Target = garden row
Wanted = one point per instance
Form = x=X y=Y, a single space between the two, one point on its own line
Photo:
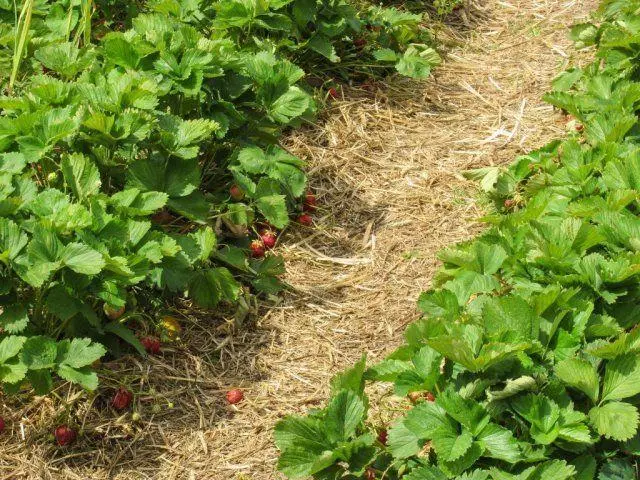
x=526 y=362
x=139 y=158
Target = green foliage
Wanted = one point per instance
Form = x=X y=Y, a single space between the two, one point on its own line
x=120 y=135
x=526 y=362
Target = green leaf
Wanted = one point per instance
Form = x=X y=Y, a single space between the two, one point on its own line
x=385 y=55
x=82 y=259
x=39 y=353
x=451 y=445
x=12 y=240
x=120 y=51
x=79 y=352
x=510 y=319
x=293 y=103
x=402 y=442
x=323 y=45
x=12 y=372
x=581 y=375
x=542 y=413
x=513 y=387
x=41 y=381
x=298 y=462
x=616 y=420
x=344 y=413
x=208 y=287
x=622 y=378
x=351 y=379
x=417 y=63
x=425 y=473
x=61 y=303
x=468 y=412
x=585 y=466
x=306 y=432
x=81 y=175
x=13 y=318
x=82 y=376
x=499 y=443
x=461 y=464
x=274 y=209
x=584 y=34
x=425 y=419
x=617 y=469
x=10 y=347
x=125 y=334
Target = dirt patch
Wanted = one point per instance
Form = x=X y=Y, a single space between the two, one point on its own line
x=386 y=167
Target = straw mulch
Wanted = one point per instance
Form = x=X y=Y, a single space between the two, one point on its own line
x=386 y=167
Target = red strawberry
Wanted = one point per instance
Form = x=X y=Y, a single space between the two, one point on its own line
x=359 y=42
x=64 y=435
x=430 y=397
x=151 y=345
x=309 y=202
x=509 y=203
x=1 y=424
x=235 y=396
x=121 y=399
x=305 y=219
x=257 y=249
x=268 y=239
x=333 y=93
x=382 y=436
x=236 y=193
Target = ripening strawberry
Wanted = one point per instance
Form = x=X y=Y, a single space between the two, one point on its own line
x=257 y=249
x=235 y=396
x=1 y=425
x=382 y=436
x=151 y=345
x=268 y=239
x=64 y=435
x=111 y=312
x=370 y=474
x=310 y=202
x=333 y=93
x=121 y=399
x=305 y=219
x=236 y=193
x=430 y=397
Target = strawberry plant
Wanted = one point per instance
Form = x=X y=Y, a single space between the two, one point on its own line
x=526 y=361
x=139 y=146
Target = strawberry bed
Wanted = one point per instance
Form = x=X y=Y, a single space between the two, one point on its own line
x=525 y=364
